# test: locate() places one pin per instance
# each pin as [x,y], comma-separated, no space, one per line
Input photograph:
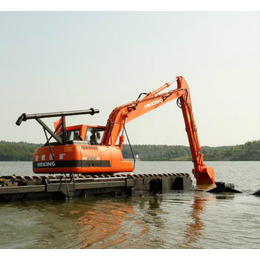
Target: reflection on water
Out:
[123,225]
[100,226]
[193,232]
[170,220]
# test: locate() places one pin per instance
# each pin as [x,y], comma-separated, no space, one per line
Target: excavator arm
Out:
[202,173]
[125,113]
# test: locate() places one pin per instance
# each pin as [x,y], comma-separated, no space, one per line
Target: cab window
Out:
[94,135]
[73,135]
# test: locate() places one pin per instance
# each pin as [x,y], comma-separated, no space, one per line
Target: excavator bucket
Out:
[206,176]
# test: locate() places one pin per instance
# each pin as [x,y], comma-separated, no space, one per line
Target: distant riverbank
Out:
[250,151]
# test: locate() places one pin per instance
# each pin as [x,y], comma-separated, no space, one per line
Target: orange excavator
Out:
[90,149]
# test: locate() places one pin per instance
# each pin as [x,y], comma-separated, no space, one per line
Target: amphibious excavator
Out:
[88,149]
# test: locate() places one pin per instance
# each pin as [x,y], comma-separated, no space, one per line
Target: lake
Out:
[171,220]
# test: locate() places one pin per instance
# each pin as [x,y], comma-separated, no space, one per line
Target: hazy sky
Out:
[61,61]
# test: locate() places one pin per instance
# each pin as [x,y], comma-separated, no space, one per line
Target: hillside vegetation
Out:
[11,151]
[250,151]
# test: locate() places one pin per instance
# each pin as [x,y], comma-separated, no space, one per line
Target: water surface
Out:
[170,220]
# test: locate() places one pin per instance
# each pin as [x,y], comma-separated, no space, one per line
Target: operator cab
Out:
[92,135]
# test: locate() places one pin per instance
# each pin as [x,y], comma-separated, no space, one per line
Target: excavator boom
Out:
[130,111]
